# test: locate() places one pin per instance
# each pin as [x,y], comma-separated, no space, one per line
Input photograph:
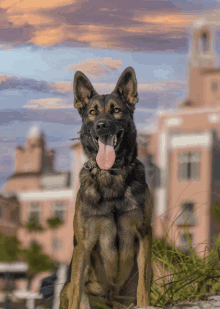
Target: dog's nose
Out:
[102,125]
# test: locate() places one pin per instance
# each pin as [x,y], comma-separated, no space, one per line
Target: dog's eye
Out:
[116,110]
[92,112]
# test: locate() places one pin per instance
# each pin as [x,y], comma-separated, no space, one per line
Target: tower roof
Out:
[200,23]
[35,132]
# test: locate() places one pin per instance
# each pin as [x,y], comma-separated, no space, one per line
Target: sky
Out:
[43,43]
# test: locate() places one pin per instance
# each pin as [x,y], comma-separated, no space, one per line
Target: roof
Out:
[34,132]
[7,196]
[201,23]
[55,181]
[27,174]
[211,70]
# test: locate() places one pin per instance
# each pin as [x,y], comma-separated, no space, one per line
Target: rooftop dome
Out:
[200,23]
[35,132]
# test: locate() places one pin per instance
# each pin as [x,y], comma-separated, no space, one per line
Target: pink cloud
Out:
[118,24]
[47,103]
[95,68]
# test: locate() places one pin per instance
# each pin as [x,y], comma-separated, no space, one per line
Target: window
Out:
[34,213]
[204,42]
[1,211]
[189,166]
[214,86]
[187,214]
[184,242]
[59,209]
[56,244]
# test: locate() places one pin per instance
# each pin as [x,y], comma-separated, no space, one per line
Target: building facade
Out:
[185,151]
[43,193]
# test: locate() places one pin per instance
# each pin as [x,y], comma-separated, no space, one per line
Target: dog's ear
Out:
[127,86]
[83,90]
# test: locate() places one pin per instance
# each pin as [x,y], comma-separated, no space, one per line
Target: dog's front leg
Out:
[72,291]
[78,274]
[144,268]
[80,262]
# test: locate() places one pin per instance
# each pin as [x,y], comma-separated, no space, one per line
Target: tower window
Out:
[204,43]
[214,86]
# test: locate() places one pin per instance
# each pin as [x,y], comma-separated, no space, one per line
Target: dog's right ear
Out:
[83,90]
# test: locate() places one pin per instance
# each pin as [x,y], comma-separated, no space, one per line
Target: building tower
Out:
[202,69]
[33,158]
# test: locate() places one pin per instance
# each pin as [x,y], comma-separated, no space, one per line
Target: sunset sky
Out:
[43,43]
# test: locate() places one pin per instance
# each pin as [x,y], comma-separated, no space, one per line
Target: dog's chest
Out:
[105,194]
[113,205]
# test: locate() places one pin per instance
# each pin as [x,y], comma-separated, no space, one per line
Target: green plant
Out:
[33,226]
[9,248]
[179,276]
[215,209]
[54,222]
[37,260]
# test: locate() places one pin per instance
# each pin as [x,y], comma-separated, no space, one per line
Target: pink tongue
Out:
[106,155]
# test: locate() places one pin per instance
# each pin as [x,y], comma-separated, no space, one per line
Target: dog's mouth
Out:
[106,146]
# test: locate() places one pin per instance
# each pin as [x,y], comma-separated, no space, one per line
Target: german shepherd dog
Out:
[112,224]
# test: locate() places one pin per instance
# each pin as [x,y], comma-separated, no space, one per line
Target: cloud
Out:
[26,6]
[61,116]
[158,86]
[118,24]
[47,103]
[65,89]
[11,82]
[95,68]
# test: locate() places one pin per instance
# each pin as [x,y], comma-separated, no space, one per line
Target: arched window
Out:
[204,42]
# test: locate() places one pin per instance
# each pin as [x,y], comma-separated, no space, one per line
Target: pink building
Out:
[185,151]
[44,193]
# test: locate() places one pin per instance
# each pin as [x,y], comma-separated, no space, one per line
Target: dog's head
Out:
[108,132]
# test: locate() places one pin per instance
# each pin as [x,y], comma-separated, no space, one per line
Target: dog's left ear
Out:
[127,86]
